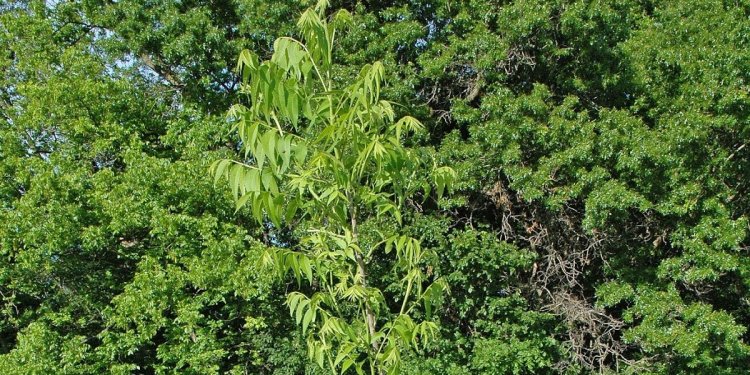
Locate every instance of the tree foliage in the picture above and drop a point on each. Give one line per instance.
(597, 221)
(327, 160)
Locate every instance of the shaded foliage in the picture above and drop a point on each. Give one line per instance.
(598, 221)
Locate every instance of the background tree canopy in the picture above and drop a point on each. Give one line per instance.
(598, 221)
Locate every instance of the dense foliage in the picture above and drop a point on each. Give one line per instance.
(597, 223)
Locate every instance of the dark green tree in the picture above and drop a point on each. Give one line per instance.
(598, 221)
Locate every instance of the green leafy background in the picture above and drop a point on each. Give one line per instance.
(598, 221)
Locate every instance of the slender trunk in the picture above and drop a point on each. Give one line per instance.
(362, 273)
(368, 310)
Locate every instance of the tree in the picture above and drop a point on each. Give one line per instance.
(101, 199)
(333, 155)
(597, 223)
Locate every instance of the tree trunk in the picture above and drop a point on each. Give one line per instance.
(362, 274)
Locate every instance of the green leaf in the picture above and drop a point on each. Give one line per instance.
(273, 209)
(291, 210)
(252, 180)
(285, 151)
(319, 356)
(269, 182)
(258, 202)
(300, 309)
(235, 179)
(346, 364)
(246, 64)
(260, 156)
(305, 267)
(219, 169)
(242, 201)
(343, 352)
(252, 136)
(300, 153)
(268, 142)
(307, 319)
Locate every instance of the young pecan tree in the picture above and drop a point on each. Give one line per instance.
(328, 157)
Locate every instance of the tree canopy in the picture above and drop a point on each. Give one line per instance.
(474, 187)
